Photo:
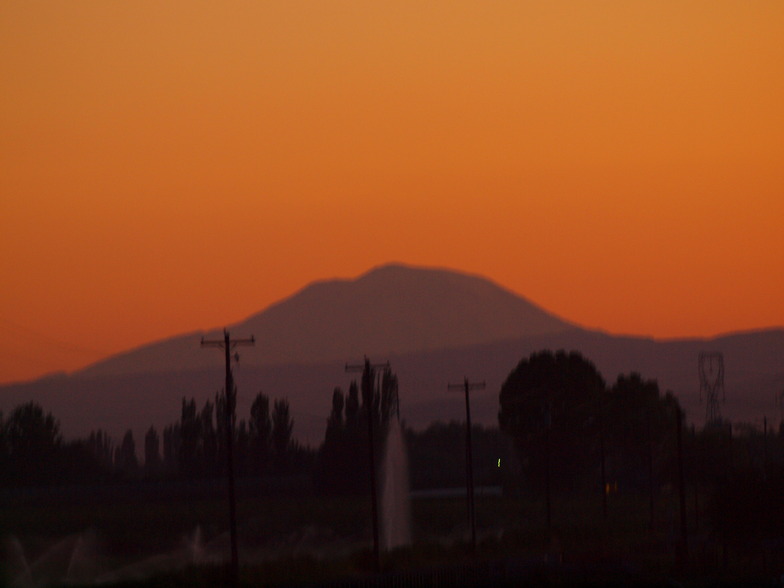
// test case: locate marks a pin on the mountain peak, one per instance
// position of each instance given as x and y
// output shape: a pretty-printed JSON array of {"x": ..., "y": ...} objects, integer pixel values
[
  {"x": 397, "y": 268},
  {"x": 391, "y": 309},
  {"x": 396, "y": 308}
]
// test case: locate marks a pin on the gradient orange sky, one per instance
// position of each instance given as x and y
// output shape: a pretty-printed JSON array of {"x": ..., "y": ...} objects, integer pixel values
[{"x": 172, "y": 166}]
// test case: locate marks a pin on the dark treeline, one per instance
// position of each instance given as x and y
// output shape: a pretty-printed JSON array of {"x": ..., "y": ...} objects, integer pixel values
[
  {"x": 571, "y": 433},
  {"x": 437, "y": 456},
  {"x": 566, "y": 423},
  {"x": 561, "y": 425},
  {"x": 33, "y": 452},
  {"x": 567, "y": 426},
  {"x": 195, "y": 446},
  {"x": 562, "y": 418}
]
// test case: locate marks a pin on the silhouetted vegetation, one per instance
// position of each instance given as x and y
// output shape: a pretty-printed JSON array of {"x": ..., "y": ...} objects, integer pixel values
[
  {"x": 195, "y": 447},
  {"x": 637, "y": 424},
  {"x": 556, "y": 413},
  {"x": 747, "y": 511},
  {"x": 437, "y": 458},
  {"x": 343, "y": 461},
  {"x": 564, "y": 421},
  {"x": 33, "y": 453},
  {"x": 550, "y": 407}
]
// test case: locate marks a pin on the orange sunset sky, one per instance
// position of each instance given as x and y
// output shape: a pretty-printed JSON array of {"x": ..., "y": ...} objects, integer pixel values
[{"x": 173, "y": 166}]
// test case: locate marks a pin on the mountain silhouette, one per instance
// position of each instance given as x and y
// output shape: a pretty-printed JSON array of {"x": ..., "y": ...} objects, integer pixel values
[
  {"x": 435, "y": 326},
  {"x": 392, "y": 309}
]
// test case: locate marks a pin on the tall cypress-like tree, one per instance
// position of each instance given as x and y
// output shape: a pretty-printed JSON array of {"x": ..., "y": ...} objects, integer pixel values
[
  {"x": 152, "y": 453},
  {"x": 260, "y": 433},
  {"x": 125, "y": 460},
  {"x": 352, "y": 406},
  {"x": 282, "y": 426}
]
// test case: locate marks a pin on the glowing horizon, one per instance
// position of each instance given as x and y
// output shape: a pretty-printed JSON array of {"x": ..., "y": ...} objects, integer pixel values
[{"x": 167, "y": 167}]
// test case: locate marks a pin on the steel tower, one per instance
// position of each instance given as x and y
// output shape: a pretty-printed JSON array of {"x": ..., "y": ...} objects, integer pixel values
[{"x": 712, "y": 385}]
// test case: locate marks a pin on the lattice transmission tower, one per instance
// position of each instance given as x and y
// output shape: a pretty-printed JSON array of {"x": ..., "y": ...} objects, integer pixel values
[{"x": 712, "y": 385}]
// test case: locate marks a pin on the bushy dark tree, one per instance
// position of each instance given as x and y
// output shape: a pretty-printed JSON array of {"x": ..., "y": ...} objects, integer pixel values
[
  {"x": 32, "y": 452},
  {"x": 549, "y": 406},
  {"x": 32, "y": 440},
  {"x": 639, "y": 428},
  {"x": 31, "y": 432}
]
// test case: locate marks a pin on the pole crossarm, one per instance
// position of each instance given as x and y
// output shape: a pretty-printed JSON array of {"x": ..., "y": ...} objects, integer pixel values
[
  {"x": 466, "y": 385},
  {"x": 221, "y": 343},
  {"x": 359, "y": 367}
]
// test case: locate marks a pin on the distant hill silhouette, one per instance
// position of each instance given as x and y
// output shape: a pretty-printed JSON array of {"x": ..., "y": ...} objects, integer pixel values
[
  {"x": 391, "y": 309},
  {"x": 434, "y": 326}
]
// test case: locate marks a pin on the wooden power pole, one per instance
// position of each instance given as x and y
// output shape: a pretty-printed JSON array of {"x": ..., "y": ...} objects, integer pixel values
[
  {"x": 467, "y": 386},
  {"x": 228, "y": 344}
]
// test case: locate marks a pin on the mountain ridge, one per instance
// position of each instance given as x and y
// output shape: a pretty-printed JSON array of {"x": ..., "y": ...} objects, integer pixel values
[
  {"x": 145, "y": 385},
  {"x": 392, "y": 308},
  {"x": 754, "y": 375}
]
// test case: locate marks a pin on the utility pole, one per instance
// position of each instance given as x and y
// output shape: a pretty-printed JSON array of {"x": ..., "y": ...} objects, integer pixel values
[
  {"x": 765, "y": 447},
  {"x": 467, "y": 387},
  {"x": 547, "y": 485},
  {"x": 228, "y": 344},
  {"x": 651, "y": 483},
  {"x": 683, "y": 548},
  {"x": 368, "y": 380},
  {"x": 603, "y": 460}
]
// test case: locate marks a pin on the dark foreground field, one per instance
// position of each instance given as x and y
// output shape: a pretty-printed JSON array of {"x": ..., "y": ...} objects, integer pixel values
[{"x": 175, "y": 535}]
